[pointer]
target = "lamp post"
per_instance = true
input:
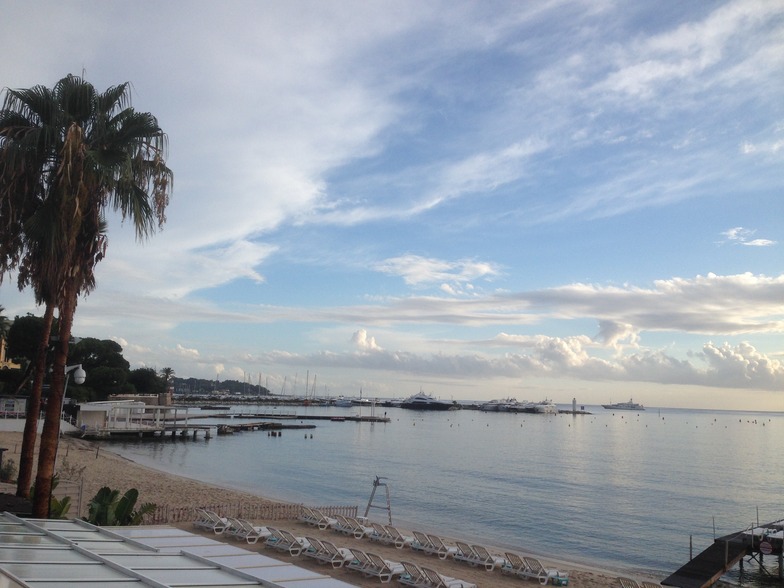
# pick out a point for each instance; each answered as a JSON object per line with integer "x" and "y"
{"x": 79, "y": 376}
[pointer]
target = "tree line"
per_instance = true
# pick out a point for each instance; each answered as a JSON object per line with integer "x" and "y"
{"x": 107, "y": 371}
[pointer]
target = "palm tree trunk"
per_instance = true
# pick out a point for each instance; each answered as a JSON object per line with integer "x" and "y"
{"x": 33, "y": 409}
{"x": 50, "y": 437}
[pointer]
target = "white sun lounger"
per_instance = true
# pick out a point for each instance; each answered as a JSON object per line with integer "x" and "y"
{"x": 285, "y": 541}
{"x": 441, "y": 549}
{"x": 206, "y": 519}
{"x": 439, "y": 581}
{"x": 325, "y": 552}
{"x": 514, "y": 566}
{"x": 537, "y": 571}
{"x": 372, "y": 564}
{"x": 412, "y": 575}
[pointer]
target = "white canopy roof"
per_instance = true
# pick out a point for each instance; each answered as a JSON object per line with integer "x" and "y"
{"x": 48, "y": 553}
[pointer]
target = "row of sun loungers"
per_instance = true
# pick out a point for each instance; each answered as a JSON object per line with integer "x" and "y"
{"x": 373, "y": 565}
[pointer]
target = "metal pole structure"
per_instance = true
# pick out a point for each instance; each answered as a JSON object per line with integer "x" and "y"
{"x": 79, "y": 376}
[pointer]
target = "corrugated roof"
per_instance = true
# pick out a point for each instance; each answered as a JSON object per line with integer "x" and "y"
{"x": 46, "y": 553}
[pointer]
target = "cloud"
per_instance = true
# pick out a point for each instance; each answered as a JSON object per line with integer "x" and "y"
{"x": 416, "y": 270}
{"x": 740, "y": 366}
{"x": 363, "y": 342}
{"x": 741, "y": 236}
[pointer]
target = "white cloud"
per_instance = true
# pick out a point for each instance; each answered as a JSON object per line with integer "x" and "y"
{"x": 361, "y": 340}
{"x": 741, "y": 367}
{"x": 741, "y": 236}
{"x": 416, "y": 270}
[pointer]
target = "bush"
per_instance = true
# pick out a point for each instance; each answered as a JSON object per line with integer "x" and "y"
{"x": 8, "y": 471}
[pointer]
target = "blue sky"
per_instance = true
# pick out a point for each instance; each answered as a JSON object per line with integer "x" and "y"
{"x": 481, "y": 199}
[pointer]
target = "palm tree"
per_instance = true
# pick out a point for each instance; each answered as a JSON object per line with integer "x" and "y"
{"x": 166, "y": 374}
{"x": 66, "y": 155}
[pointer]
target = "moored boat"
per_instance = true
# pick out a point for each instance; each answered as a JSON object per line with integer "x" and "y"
{"x": 624, "y": 406}
{"x": 501, "y": 405}
{"x": 422, "y": 401}
{"x": 542, "y": 407}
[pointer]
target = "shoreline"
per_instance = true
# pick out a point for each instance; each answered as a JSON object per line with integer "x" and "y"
{"x": 99, "y": 466}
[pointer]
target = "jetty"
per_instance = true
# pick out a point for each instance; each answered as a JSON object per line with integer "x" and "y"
{"x": 707, "y": 567}
{"x": 357, "y": 418}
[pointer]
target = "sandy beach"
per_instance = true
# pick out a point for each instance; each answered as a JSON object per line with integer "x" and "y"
{"x": 97, "y": 466}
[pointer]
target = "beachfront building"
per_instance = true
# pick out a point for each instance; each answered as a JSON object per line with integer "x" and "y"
{"x": 103, "y": 419}
{"x": 13, "y": 407}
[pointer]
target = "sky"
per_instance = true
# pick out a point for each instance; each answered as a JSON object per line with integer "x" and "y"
{"x": 552, "y": 199}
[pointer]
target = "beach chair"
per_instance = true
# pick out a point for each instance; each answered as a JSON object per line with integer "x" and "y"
{"x": 381, "y": 568}
{"x": 254, "y": 533}
{"x": 441, "y": 549}
{"x": 325, "y": 552}
{"x": 487, "y": 559}
{"x": 234, "y": 529}
{"x": 437, "y": 580}
{"x": 323, "y": 522}
{"x": 359, "y": 560}
{"x": 202, "y": 519}
{"x": 538, "y": 571}
{"x": 650, "y": 585}
{"x": 351, "y": 526}
{"x": 380, "y": 534}
{"x": 359, "y": 530}
{"x": 315, "y": 549}
{"x": 212, "y": 522}
{"x": 628, "y": 583}
{"x": 400, "y": 540}
{"x": 336, "y": 556}
{"x": 412, "y": 575}
{"x": 477, "y": 555}
{"x": 421, "y": 542}
{"x": 286, "y": 542}
{"x": 305, "y": 515}
{"x": 464, "y": 553}
{"x": 514, "y": 566}
{"x": 244, "y": 530}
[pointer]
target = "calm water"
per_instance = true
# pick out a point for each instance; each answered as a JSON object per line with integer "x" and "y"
{"x": 622, "y": 489}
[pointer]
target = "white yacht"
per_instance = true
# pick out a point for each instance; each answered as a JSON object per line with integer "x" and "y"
{"x": 422, "y": 401}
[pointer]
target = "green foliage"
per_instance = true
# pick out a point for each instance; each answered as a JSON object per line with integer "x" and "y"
{"x": 23, "y": 337}
{"x": 146, "y": 381}
{"x": 108, "y": 508}
{"x": 8, "y": 471}
{"x": 58, "y": 509}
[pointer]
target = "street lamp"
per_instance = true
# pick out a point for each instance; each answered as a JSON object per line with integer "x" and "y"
{"x": 79, "y": 376}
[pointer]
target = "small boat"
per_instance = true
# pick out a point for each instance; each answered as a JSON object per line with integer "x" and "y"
{"x": 422, "y": 401}
{"x": 343, "y": 401}
{"x": 624, "y": 406}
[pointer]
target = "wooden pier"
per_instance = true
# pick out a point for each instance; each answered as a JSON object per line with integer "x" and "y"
{"x": 294, "y": 417}
{"x": 726, "y": 552}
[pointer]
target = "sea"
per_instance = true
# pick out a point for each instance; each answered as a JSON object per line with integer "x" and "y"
{"x": 630, "y": 491}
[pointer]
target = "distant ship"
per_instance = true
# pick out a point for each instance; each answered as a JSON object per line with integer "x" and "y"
{"x": 624, "y": 406}
{"x": 424, "y": 401}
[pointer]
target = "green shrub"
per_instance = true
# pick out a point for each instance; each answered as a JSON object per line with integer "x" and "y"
{"x": 8, "y": 471}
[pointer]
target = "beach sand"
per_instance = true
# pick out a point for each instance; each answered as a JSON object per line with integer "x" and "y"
{"x": 98, "y": 466}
